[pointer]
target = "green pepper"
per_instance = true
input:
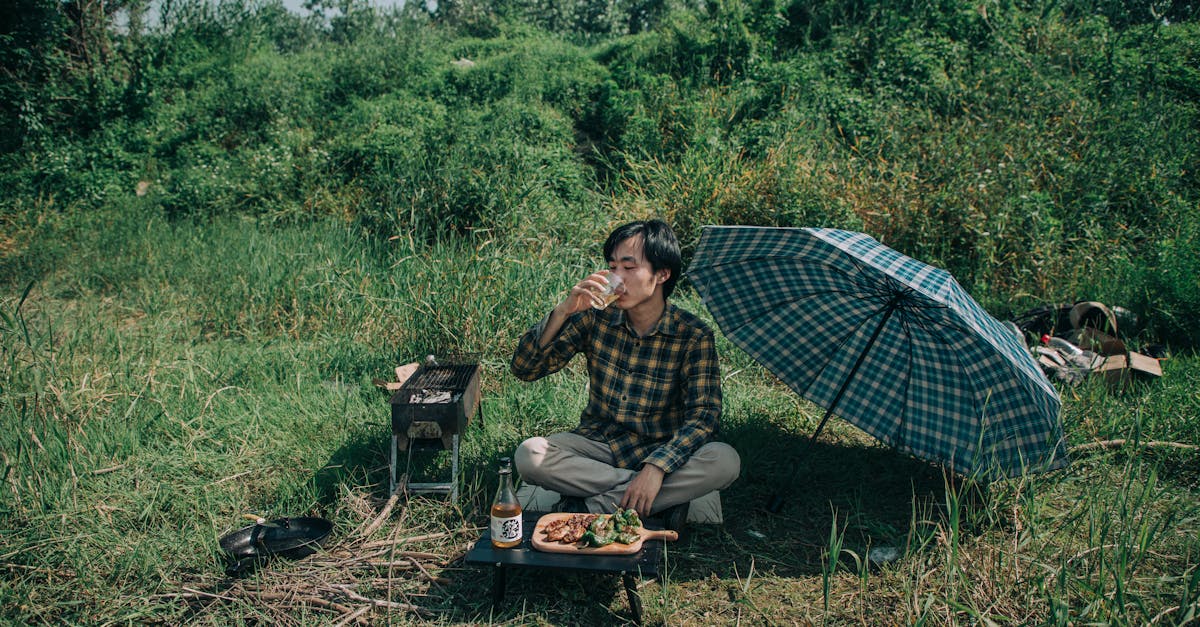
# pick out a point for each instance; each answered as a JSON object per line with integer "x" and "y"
{"x": 602, "y": 525}
{"x": 597, "y": 540}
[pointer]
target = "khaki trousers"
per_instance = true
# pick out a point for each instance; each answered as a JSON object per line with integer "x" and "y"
{"x": 573, "y": 465}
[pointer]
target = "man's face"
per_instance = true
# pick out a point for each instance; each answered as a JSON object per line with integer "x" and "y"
{"x": 641, "y": 281}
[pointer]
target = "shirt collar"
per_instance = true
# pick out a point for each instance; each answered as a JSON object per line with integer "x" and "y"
{"x": 668, "y": 323}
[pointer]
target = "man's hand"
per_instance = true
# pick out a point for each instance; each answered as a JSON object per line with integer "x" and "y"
{"x": 640, "y": 494}
{"x": 584, "y": 294}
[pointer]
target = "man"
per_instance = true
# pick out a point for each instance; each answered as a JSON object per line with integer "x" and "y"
{"x": 654, "y": 394}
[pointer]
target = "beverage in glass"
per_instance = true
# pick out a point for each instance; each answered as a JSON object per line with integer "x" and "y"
{"x": 611, "y": 292}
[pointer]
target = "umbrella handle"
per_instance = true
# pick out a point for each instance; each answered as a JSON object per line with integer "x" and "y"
{"x": 775, "y": 502}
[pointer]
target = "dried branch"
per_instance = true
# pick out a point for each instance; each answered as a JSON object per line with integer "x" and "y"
{"x": 383, "y": 515}
{"x": 422, "y": 538}
{"x": 356, "y": 616}
{"x": 1118, "y": 443}
{"x": 407, "y": 607}
{"x": 302, "y": 599}
{"x": 350, "y": 578}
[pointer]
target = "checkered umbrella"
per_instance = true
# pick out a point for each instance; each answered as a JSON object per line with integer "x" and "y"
{"x": 887, "y": 342}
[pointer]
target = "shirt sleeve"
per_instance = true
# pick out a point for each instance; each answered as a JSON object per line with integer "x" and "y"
{"x": 531, "y": 361}
{"x": 702, "y": 405}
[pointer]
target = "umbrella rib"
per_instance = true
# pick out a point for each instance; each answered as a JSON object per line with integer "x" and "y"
{"x": 901, "y": 442}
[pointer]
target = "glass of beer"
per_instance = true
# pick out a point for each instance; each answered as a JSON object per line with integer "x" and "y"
{"x": 611, "y": 292}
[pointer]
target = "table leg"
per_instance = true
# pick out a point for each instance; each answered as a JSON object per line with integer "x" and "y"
{"x": 635, "y": 599}
{"x": 499, "y": 582}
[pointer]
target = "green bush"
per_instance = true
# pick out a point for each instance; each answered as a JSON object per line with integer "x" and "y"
{"x": 1029, "y": 150}
{"x": 429, "y": 169}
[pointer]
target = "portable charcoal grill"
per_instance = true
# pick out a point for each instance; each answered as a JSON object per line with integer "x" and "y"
{"x": 431, "y": 411}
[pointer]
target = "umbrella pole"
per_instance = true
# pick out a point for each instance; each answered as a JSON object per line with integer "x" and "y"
{"x": 775, "y": 502}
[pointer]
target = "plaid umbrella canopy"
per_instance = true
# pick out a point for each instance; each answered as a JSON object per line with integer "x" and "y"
{"x": 887, "y": 342}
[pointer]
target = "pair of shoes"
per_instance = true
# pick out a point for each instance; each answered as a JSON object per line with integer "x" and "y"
{"x": 675, "y": 518}
{"x": 572, "y": 504}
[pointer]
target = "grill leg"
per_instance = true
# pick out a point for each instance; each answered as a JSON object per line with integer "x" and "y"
{"x": 392, "y": 474}
{"x": 454, "y": 471}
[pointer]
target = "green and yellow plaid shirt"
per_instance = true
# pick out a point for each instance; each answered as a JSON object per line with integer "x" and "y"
{"x": 654, "y": 399}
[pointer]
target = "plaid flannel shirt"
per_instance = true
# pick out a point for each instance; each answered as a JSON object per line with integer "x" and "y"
{"x": 653, "y": 399}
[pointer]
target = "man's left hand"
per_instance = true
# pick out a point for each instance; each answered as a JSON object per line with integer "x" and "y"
{"x": 643, "y": 489}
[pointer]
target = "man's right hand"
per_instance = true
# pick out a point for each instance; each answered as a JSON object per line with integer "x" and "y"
{"x": 583, "y": 295}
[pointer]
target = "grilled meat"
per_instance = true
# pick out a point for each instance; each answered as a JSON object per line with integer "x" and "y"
{"x": 569, "y": 530}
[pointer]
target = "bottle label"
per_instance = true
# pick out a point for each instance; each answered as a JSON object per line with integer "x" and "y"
{"x": 506, "y": 529}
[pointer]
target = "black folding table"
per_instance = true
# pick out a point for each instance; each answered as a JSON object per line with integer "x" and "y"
{"x": 644, "y": 563}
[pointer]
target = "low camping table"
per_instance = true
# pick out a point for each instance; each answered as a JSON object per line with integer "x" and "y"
{"x": 644, "y": 563}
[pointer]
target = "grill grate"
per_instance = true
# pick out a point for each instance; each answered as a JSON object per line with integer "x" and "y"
{"x": 441, "y": 378}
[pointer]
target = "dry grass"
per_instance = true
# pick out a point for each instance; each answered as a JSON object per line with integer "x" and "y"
{"x": 379, "y": 569}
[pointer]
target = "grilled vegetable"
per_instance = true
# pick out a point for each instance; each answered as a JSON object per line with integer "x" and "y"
{"x": 621, "y": 527}
{"x": 591, "y": 538}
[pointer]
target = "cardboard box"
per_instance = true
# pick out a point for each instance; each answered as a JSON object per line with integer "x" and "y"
{"x": 1118, "y": 370}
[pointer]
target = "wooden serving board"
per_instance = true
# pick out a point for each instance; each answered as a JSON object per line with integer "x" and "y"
{"x": 540, "y": 543}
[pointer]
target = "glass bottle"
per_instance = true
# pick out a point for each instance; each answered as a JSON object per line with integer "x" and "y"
{"x": 506, "y": 511}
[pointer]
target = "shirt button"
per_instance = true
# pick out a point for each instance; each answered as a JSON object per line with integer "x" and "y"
{"x": 624, "y": 398}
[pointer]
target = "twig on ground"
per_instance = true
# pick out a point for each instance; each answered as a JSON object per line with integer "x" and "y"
{"x": 417, "y": 555}
{"x": 355, "y": 616}
{"x": 302, "y": 599}
{"x": 408, "y": 607}
{"x": 428, "y": 575}
{"x": 395, "y": 565}
{"x": 191, "y": 592}
{"x": 422, "y": 538}
{"x": 1118, "y": 443}
{"x": 39, "y": 569}
{"x": 383, "y": 515}
{"x": 232, "y": 477}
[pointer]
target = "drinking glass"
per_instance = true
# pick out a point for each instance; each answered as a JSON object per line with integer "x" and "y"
{"x": 611, "y": 292}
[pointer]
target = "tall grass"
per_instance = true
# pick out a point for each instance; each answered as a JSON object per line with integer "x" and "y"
{"x": 196, "y": 372}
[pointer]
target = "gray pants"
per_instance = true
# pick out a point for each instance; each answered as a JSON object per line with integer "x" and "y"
{"x": 573, "y": 465}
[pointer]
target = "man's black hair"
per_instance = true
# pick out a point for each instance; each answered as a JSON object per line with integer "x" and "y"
{"x": 659, "y": 245}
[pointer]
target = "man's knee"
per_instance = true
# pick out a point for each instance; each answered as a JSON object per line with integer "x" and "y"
{"x": 726, "y": 464}
{"x": 528, "y": 459}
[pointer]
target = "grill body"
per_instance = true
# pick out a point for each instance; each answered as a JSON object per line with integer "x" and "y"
{"x": 436, "y": 403}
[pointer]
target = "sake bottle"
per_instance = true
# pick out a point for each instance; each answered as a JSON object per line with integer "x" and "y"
{"x": 506, "y": 511}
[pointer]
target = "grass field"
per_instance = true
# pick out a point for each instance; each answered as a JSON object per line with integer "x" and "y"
{"x": 160, "y": 379}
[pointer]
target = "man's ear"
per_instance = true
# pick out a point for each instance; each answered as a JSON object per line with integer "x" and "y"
{"x": 663, "y": 275}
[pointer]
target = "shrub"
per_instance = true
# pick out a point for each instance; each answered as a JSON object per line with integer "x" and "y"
{"x": 428, "y": 169}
